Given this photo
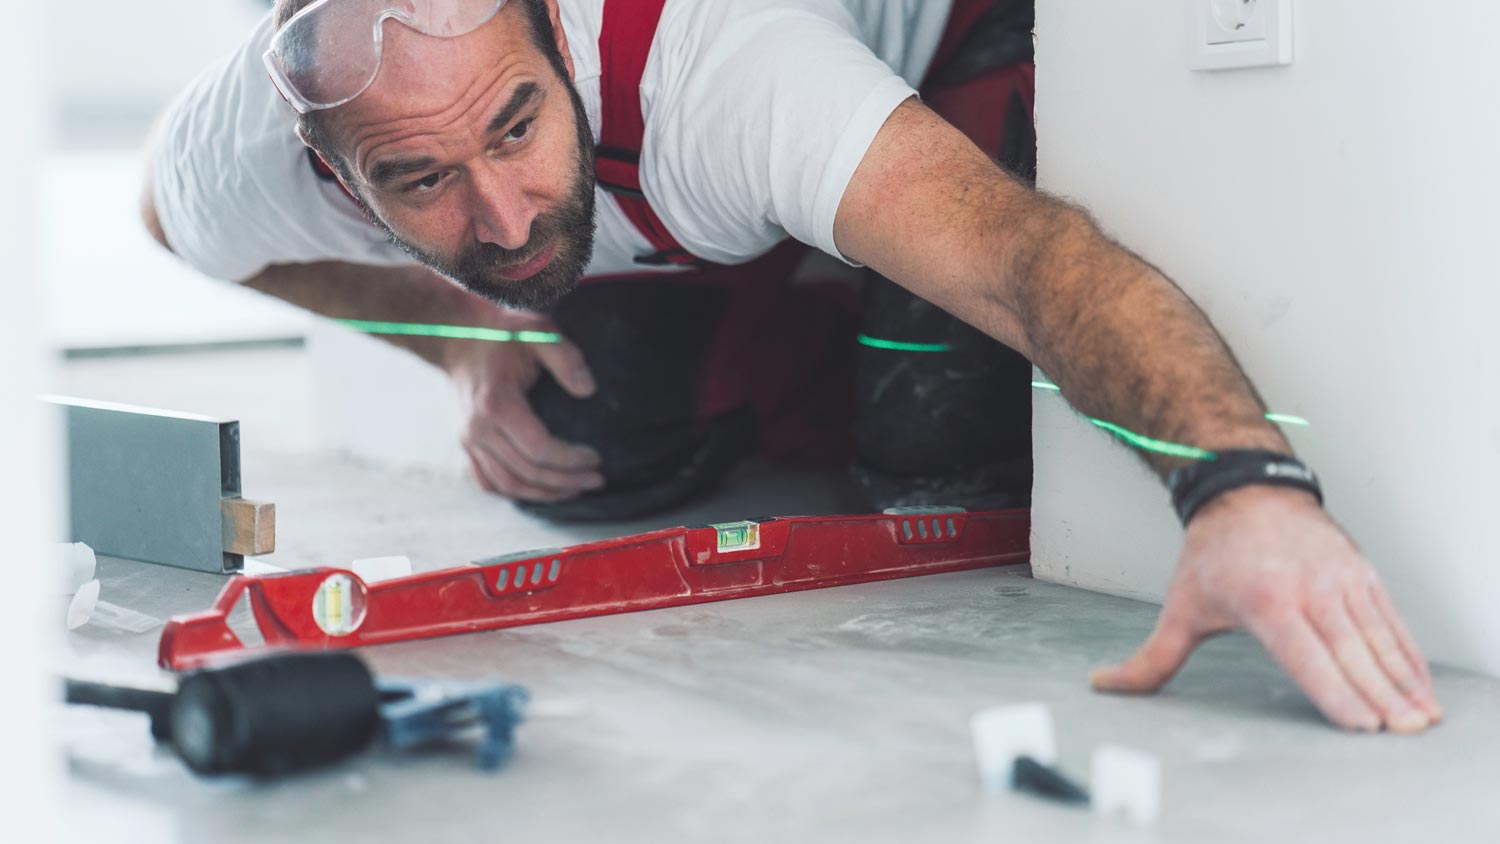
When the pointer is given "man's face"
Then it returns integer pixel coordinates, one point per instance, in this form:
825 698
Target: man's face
475 155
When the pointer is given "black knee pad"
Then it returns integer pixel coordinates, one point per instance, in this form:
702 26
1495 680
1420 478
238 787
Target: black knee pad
938 427
646 343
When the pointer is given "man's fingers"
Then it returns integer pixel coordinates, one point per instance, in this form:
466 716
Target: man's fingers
565 361
1355 655
503 450
495 477
1150 667
536 444
1387 609
1296 646
1395 647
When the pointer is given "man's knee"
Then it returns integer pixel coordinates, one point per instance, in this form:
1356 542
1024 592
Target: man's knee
648 471
943 413
645 343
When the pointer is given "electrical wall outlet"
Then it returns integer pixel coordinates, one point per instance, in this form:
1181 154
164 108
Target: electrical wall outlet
1228 34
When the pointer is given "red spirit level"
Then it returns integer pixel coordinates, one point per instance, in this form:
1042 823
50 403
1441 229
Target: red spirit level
334 608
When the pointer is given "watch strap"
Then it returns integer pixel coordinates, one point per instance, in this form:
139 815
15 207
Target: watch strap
1194 486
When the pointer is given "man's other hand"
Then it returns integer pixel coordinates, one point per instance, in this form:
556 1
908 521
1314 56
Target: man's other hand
510 450
1271 561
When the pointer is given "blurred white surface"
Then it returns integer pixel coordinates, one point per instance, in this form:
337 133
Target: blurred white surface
111 69
114 62
30 503
108 284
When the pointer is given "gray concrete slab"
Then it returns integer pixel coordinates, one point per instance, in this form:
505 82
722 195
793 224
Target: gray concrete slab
828 715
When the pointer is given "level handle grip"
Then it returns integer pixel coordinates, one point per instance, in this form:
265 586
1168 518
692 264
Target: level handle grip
275 715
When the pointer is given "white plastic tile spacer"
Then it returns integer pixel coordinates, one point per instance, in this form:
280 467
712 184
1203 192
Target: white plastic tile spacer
78 563
1127 782
376 569
1004 733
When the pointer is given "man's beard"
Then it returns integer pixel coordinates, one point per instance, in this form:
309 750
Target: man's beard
570 227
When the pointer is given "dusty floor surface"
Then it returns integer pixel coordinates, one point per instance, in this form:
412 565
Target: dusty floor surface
829 715
832 715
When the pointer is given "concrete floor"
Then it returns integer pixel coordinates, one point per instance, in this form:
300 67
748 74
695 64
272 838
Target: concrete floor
829 715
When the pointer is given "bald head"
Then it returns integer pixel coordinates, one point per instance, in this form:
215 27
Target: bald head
315 128
285 9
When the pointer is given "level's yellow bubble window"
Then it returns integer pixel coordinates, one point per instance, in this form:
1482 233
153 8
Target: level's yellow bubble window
339 605
738 536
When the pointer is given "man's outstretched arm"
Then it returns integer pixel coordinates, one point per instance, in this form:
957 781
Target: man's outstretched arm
929 210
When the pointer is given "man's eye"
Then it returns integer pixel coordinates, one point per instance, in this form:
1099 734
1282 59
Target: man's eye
425 184
518 131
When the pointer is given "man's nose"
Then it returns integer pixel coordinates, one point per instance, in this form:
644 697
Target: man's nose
502 212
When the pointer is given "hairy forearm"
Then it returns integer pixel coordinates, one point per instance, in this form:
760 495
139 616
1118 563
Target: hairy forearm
381 294
1123 342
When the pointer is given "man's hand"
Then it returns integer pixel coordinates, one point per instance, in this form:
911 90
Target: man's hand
1271 561
510 450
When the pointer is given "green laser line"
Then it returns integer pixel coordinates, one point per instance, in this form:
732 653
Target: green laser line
1162 446
1287 419
452 332
898 346
1279 418
500 335
1159 446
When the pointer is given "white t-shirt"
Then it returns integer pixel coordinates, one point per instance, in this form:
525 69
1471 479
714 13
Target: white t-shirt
757 113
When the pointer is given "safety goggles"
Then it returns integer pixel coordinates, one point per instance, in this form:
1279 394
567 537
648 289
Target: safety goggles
329 52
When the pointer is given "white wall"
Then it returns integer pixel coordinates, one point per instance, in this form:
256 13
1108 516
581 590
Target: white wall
29 501
1337 219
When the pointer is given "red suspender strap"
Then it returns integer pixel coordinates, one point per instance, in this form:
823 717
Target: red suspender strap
624 47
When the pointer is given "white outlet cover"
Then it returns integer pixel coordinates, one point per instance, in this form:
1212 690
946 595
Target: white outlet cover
1230 34
1235 21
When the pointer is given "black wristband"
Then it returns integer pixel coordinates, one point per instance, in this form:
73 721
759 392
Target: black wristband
1196 485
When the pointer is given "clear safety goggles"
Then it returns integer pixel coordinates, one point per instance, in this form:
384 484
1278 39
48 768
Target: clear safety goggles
329 52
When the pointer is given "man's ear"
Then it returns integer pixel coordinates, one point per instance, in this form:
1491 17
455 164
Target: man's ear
560 37
302 136
337 174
